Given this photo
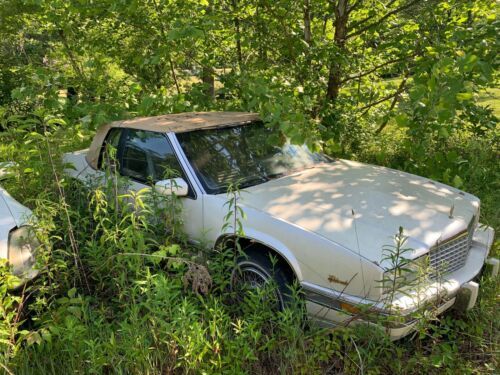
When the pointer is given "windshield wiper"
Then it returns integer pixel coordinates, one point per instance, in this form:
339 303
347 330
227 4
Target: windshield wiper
272 176
292 171
251 181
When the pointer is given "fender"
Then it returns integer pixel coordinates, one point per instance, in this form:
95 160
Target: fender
273 244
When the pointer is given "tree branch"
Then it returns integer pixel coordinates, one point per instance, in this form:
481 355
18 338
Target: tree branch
359 23
383 18
354 6
394 101
373 104
375 68
394 96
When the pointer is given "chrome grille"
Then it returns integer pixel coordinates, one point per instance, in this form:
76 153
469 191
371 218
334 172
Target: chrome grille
451 255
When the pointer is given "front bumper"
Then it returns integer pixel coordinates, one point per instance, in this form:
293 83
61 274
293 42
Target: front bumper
452 288
440 295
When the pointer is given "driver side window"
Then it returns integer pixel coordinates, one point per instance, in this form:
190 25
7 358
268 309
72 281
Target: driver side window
148 156
144 156
135 163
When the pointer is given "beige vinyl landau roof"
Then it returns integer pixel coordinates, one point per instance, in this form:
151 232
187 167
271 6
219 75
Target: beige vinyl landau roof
176 123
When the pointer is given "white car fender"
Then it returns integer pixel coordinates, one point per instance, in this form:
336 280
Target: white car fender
19 213
12 214
7 223
279 247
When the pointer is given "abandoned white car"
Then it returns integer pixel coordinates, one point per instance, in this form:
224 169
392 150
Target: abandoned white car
325 220
18 242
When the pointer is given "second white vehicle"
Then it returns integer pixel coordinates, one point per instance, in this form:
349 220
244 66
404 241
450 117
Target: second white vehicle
18 243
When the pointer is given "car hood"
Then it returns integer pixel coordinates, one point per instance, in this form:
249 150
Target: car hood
361 207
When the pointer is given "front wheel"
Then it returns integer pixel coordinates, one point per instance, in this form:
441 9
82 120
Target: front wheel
256 270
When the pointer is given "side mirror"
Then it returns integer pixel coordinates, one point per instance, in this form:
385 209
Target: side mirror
173 186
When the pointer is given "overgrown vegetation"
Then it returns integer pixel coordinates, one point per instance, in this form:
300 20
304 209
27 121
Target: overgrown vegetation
406 84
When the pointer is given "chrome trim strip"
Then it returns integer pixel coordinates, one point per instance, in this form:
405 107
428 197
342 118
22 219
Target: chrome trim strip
335 297
331 299
312 296
463 233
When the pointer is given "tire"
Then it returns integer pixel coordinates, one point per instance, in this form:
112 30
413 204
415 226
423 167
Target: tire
256 270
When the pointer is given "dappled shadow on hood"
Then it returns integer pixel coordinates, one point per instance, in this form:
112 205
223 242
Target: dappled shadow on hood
331 198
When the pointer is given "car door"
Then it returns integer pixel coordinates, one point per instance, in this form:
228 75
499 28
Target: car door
146 157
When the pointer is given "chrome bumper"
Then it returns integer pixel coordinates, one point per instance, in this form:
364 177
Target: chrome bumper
325 306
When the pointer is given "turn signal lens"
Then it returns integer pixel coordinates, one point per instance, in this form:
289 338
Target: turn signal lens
349 308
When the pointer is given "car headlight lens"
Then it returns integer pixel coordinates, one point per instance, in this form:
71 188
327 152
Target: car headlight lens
23 245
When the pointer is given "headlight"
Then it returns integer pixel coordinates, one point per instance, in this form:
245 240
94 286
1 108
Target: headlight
23 245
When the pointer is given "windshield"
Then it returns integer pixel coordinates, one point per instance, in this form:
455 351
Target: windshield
246 155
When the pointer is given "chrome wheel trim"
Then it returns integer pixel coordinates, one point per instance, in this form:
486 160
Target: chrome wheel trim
256 276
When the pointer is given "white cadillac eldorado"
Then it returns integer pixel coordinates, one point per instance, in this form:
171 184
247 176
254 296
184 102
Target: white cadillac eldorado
325 220
18 242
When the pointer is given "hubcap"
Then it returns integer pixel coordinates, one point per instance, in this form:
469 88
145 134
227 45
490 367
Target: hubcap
250 277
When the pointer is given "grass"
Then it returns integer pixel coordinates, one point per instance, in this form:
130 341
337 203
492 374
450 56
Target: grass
491 98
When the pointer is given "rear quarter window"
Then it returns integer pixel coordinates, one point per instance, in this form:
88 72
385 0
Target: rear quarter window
109 150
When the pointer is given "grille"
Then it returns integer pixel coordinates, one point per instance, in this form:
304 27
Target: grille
451 255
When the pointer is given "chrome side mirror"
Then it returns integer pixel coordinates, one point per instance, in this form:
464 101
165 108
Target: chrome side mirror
172 186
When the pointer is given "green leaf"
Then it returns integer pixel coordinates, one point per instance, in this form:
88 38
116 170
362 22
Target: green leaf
445 115
464 96
402 120
72 293
443 132
457 182
186 32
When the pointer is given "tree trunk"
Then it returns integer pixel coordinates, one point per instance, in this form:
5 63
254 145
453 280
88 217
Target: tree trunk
260 35
208 79
207 73
174 75
73 61
335 74
238 35
307 22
